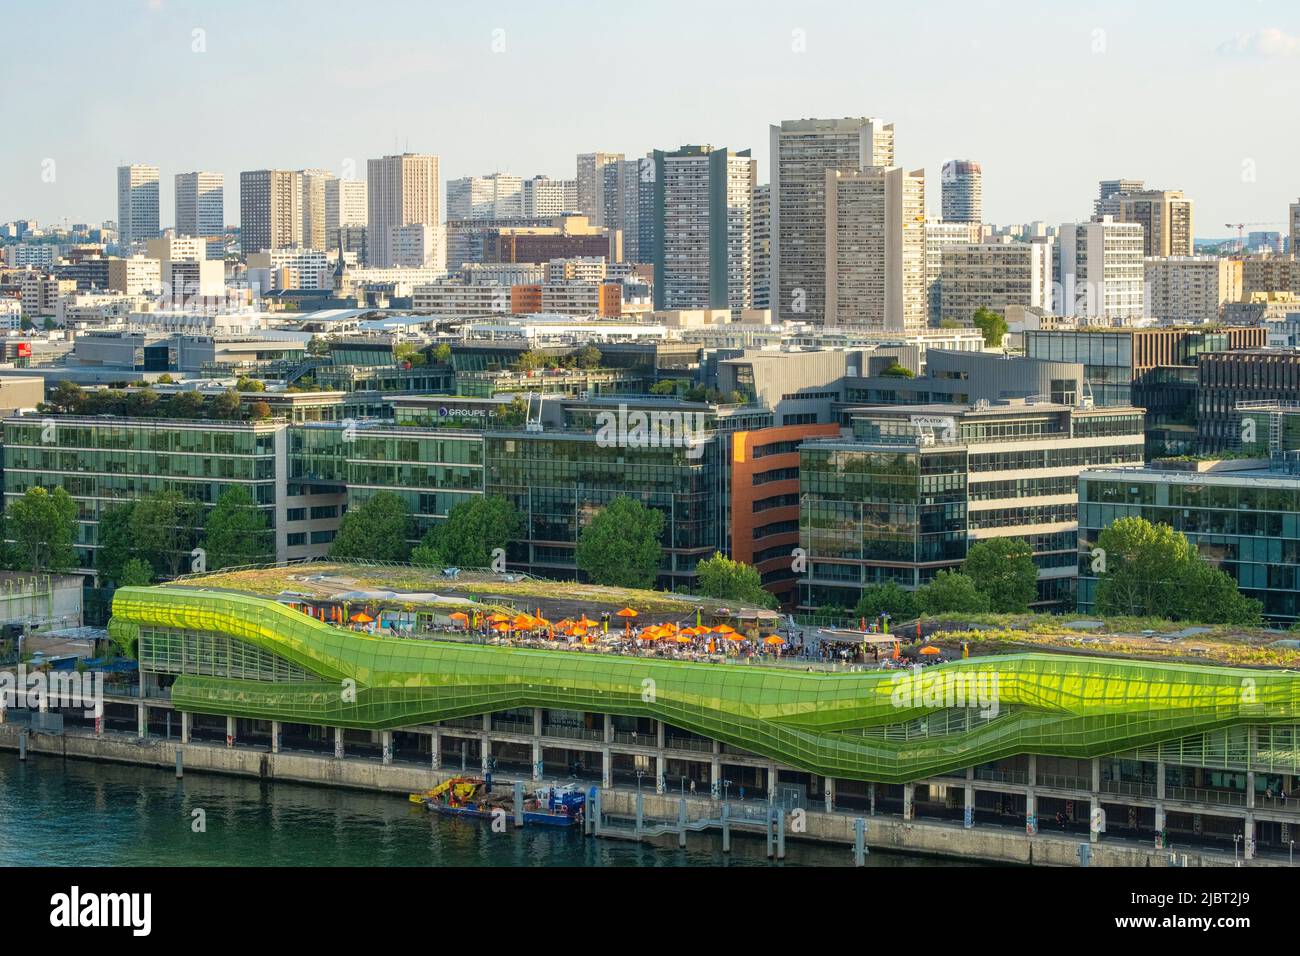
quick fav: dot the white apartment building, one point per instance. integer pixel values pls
(591, 185)
(801, 153)
(577, 270)
(544, 198)
(345, 207)
(995, 275)
(503, 273)
(454, 298)
(1101, 276)
(137, 204)
(629, 204)
(1191, 290)
(402, 190)
(707, 228)
(498, 196)
(270, 210)
(762, 244)
(396, 280)
(274, 270)
(138, 275)
(418, 246)
(315, 218)
(200, 209)
(31, 255)
(874, 246)
(96, 310)
(938, 236)
(1294, 218)
(40, 293)
(11, 314)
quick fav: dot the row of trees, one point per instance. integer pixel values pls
(999, 576)
(620, 546)
(1143, 570)
(139, 541)
(68, 398)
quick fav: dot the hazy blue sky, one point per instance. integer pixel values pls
(1049, 96)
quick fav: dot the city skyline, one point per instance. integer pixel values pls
(1039, 123)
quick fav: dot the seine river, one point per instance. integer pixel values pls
(56, 812)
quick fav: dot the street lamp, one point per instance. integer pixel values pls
(726, 790)
(639, 775)
(1290, 859)
(1236, 839)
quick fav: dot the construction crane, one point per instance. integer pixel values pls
(1241, 230)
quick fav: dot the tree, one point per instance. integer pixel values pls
(589, 357)
(377, 530)
(728, 580)
(620, 546)
(898, 371)
(115, 543)
(235, 533)
(952, 592)
(472, 531)
(993, 325)
(66, 397)
(43, 526)
(136, 573)
(409, 353)
(246, 384)
(142, 402)
(164, 528)
(442, 354)
(888, 598)
(186, 405)
(227, 405)
(1003, 570)
(259, 411)
(318, 346)
(1151, 570)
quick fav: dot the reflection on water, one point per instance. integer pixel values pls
(56, 812)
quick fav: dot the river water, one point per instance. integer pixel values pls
(57, 812)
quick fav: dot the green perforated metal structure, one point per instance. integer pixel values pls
(861, 726)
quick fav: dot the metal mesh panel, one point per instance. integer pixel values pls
(1056, 705)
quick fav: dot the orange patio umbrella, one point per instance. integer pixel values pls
(524, 622)
(497, 617)
(627, 614)
(724, 629)
(931, 650)
(733, 636)
(501, 627)
(361, 617)
(773, 639)
(459, 616)
(682, 639)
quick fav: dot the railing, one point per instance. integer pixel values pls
(634, 739)
(1128, 788)
(1223, 798)
(686, 743)
(464, 723)
(572, 733)
(1054, 781)
(1001, 776)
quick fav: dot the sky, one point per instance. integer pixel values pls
(1048, 96)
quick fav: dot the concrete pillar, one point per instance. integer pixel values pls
(487, 723)
(1031, 812)
(1160, 779)
(909, 794)
(969, 805)
(1096, 775)
(230, 731)
(1248, 837)
(185, 727)
(141, 720)
(485, 753)
(871, 795)
(338, 743)
(1094, 804)
(537, 721)
(538, 764)
(1160, 819)
(435, 750)
(828, 785)
(661, 774)
(386, 743)
(606, 768)
(1031, 775)
(659, 734)
(275, 736)
(773, 777)
(715, 778)
(1250, 789)
(609, 729)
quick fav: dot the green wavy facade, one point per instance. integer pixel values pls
(882, 726)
